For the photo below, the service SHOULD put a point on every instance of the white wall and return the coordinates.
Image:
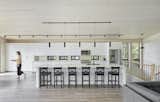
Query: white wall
(29, 50)
(152, 50)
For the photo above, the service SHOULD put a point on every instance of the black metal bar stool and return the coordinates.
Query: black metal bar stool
(72, 73)
(99, 72)
(85, 73)
(114, 73)
(45, 77)
(58, 73)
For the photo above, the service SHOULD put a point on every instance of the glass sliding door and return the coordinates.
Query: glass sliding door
(135, 52)
(125, 52)
(135, 55)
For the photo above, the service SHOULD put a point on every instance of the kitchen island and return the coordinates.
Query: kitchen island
(79, 70)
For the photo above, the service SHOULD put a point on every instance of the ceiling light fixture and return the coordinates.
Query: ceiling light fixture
(75, 22)
(79, 44)
(80, 35)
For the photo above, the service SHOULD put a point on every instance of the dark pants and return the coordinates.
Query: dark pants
(19, 72)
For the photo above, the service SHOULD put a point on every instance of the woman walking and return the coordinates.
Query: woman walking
(19, 64)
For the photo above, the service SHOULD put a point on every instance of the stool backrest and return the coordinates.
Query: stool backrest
(57, 69)
(85, 69)
(43, 69)
(71, 69)
(115, 69)
(100, 69)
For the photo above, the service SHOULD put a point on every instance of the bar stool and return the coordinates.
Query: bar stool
(45, 77)
(58, 73)
(114, 73)
(85, 73)
(72, 73)
(99, 72)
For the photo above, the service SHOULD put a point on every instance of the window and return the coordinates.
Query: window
(135, 52)
(125, 53)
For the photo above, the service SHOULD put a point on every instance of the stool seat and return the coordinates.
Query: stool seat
(99, 73)
(58, 73)
(45, 73)
(72, 73)
(85, 73)
(113, 72)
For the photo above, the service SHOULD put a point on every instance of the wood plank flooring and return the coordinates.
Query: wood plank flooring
(24, 90)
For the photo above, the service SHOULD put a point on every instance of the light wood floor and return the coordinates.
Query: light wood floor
(13, 90)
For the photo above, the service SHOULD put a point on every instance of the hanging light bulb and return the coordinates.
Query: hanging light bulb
(64, 44)
(110, 44)
(94, 44)
(79, 44)
(49, 44)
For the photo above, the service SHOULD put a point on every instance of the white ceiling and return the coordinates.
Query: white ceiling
(130, 17)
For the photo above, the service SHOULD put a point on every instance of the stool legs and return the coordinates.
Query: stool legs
(82, 81)
(103, 81)
(56, 80)
(69, 80)
(89, 83)
(63, 80)
(45, 79)
(96, 83)
(118, 81)
(76, 80)
(114, 80)
(97, 80)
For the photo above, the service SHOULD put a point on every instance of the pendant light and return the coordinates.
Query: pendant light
(79, 44)
(110, 44)
(94, 44)
(64, 44)
(49, 44)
